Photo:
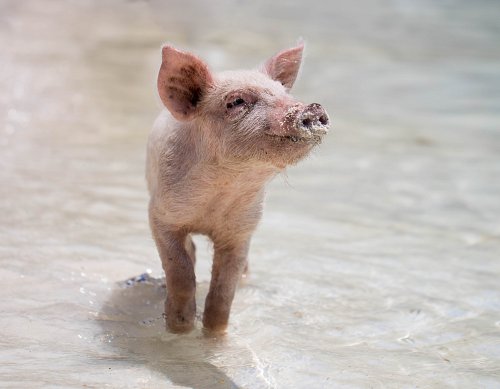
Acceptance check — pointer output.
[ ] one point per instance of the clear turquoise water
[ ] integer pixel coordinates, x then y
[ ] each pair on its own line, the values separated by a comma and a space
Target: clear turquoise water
377, 261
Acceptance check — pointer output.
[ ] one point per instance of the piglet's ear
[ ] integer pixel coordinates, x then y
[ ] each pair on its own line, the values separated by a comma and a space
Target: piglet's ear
285, 65
182, 82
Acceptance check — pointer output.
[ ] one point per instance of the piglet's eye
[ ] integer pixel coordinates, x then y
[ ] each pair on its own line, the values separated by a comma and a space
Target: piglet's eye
235, 103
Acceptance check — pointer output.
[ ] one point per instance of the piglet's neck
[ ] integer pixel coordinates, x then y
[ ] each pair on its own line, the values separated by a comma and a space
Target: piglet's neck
211, 155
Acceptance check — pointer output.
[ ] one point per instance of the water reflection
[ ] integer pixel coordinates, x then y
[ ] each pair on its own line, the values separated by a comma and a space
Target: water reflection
132, 328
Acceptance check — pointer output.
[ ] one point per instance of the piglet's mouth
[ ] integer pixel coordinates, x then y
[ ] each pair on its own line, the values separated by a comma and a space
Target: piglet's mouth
316, 139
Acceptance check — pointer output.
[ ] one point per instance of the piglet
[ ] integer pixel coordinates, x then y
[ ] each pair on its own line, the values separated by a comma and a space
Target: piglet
221, 138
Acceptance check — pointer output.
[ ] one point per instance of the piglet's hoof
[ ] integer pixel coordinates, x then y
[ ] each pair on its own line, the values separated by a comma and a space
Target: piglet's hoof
180, 317
179, 324
214, 321
215, 331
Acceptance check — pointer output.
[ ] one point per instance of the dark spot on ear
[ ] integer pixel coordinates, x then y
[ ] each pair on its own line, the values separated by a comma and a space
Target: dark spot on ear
188, 71
170, 96
195, 96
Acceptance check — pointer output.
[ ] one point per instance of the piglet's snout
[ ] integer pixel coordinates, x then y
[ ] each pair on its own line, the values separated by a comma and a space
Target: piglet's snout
313, 121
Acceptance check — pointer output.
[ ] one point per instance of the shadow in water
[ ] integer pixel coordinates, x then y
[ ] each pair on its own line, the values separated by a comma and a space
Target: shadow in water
133, 326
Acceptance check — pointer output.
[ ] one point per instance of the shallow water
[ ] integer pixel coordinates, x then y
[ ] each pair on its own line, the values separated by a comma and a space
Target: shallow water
377, 260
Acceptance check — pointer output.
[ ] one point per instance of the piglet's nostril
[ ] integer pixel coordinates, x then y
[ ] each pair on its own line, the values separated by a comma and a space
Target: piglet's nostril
313, 120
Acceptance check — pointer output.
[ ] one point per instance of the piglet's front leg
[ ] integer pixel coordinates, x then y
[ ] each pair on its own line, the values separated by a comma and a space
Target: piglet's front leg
229, 264
178, 264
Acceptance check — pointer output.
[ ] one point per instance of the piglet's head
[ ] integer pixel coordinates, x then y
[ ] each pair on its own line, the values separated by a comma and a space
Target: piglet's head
244, 115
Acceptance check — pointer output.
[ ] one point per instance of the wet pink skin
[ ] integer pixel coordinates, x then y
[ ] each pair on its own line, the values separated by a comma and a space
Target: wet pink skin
221, 138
